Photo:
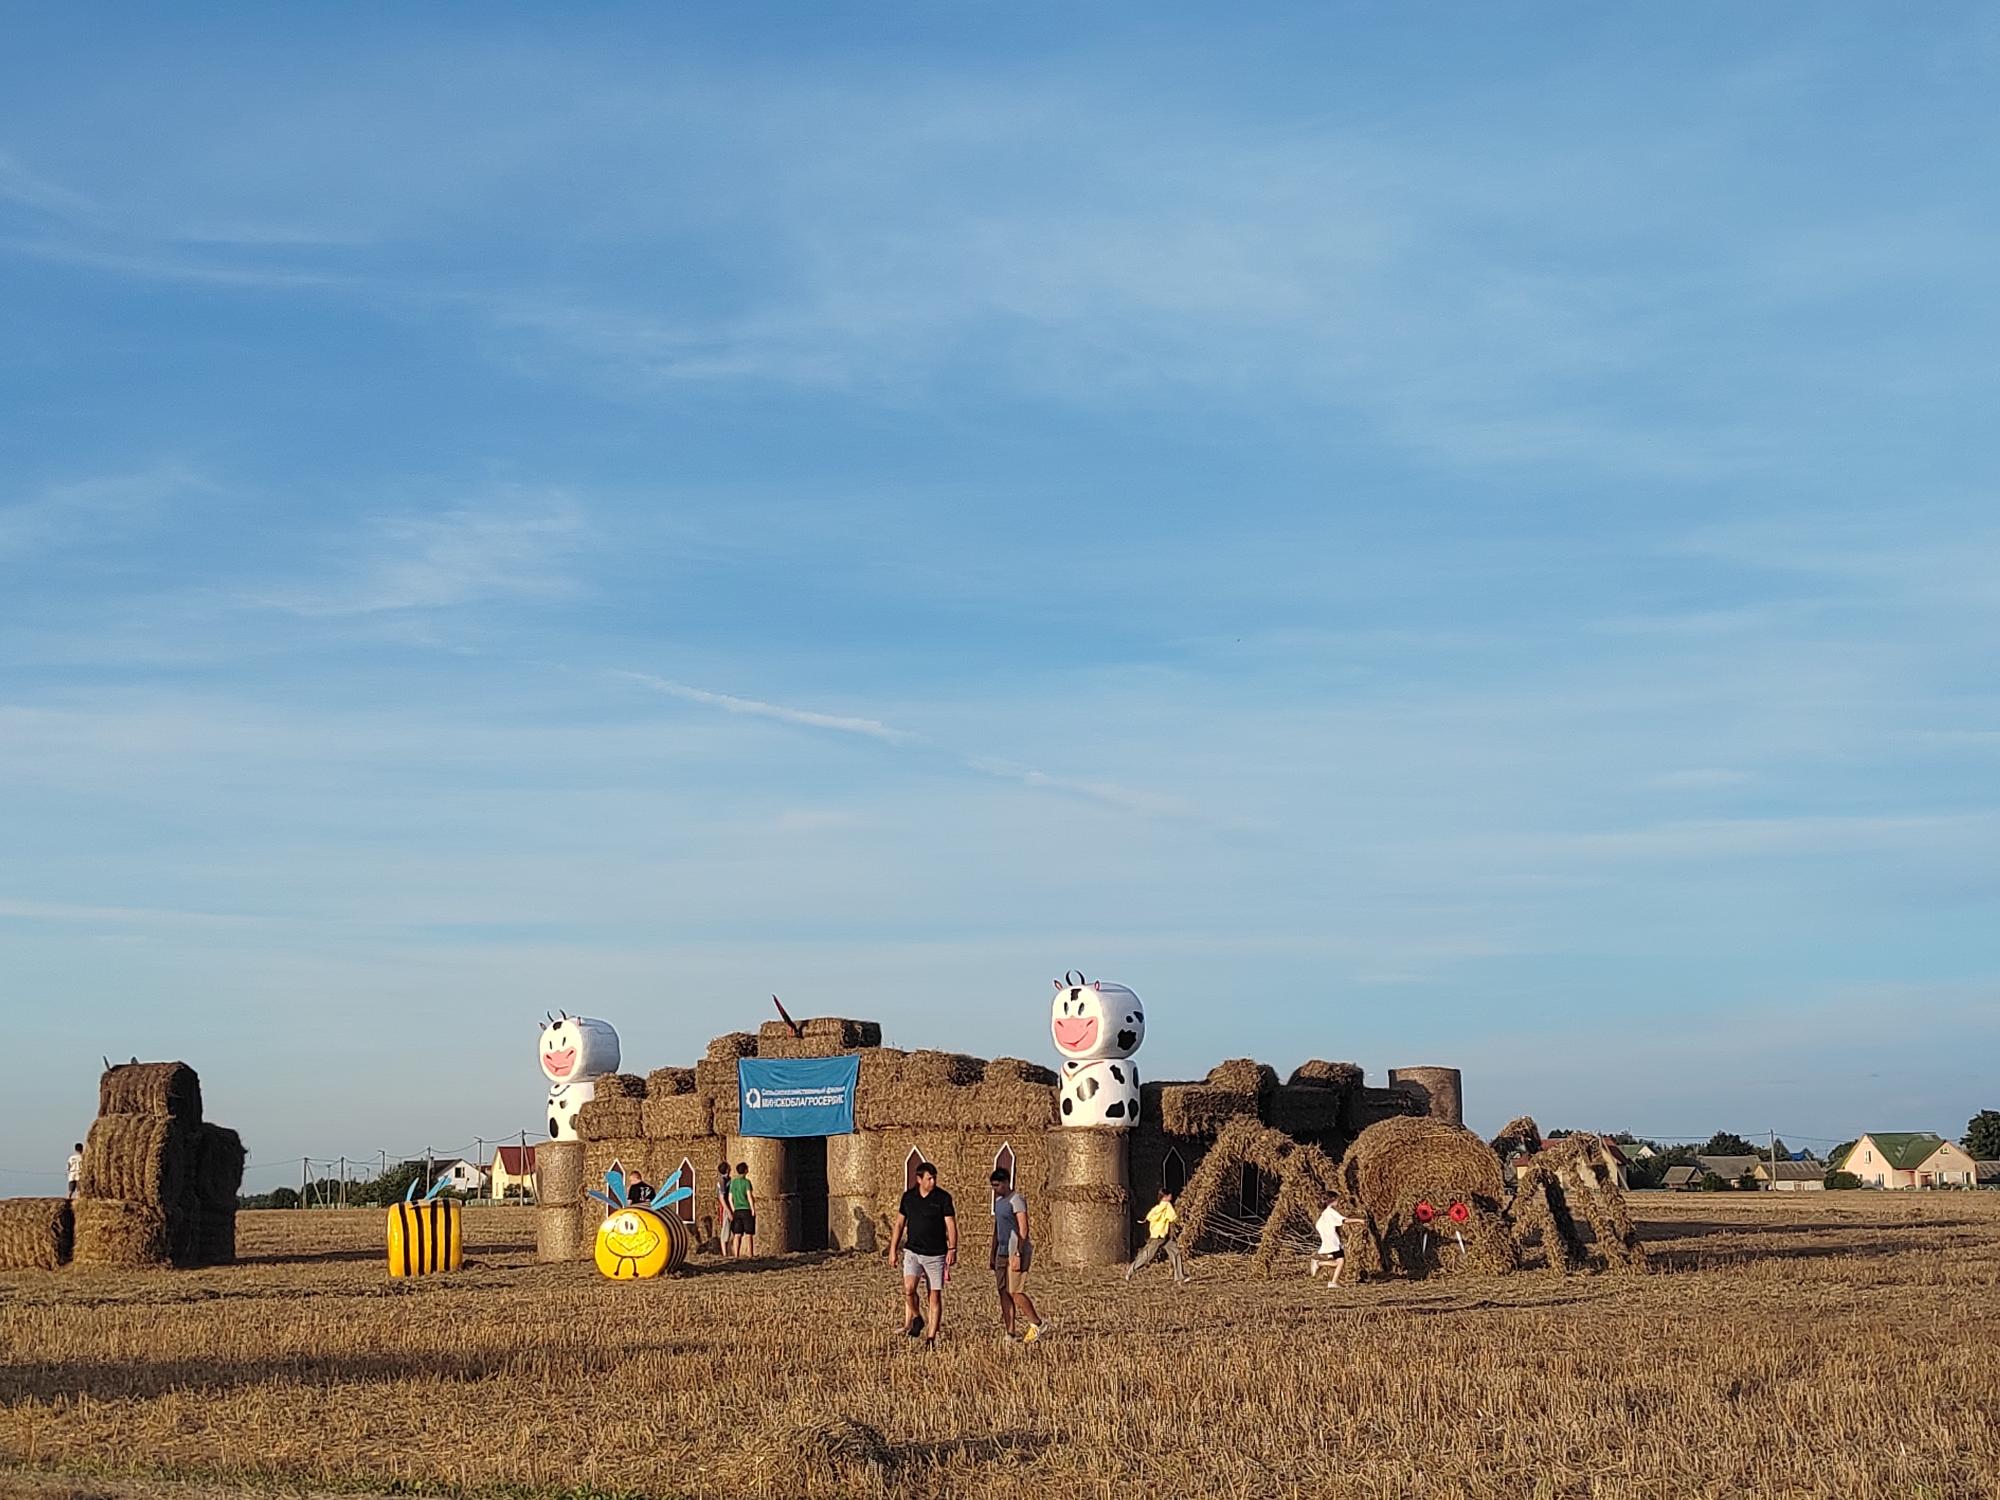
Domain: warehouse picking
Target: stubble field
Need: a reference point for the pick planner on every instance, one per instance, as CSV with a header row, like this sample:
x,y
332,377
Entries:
x,y
1838,1344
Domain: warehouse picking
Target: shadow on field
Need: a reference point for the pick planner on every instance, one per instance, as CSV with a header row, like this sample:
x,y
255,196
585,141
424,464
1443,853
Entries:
x,y
107,1380
714,1266
1713,1255
1688,1229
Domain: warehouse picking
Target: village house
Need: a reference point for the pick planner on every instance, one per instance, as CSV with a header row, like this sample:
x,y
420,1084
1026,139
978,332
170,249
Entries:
x,y
1909,1159
463,1177
512,1170
1729,1168
1790,1176
1682,1179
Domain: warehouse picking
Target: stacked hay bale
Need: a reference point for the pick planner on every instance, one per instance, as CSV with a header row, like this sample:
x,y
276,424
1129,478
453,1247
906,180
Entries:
x,y
36,1234
1302,1173
158,1185
1410,1176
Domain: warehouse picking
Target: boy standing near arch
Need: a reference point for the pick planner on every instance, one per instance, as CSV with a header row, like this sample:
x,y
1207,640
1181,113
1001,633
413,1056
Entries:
x,y
1013,1253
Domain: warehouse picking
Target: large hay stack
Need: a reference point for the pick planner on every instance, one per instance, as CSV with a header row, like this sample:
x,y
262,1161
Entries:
x,y
1574,1177
1298,1176
1432,1196
159,1184
36,1234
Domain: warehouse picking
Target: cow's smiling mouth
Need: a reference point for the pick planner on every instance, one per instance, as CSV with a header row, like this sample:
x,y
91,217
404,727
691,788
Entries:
x,y
560,1064
1074,1033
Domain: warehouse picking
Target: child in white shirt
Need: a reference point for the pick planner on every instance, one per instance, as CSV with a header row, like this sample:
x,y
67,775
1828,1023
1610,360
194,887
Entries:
x,y
1328,1224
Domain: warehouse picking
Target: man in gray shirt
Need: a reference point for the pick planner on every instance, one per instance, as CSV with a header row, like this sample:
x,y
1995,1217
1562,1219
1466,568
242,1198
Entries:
x,y
1013,1254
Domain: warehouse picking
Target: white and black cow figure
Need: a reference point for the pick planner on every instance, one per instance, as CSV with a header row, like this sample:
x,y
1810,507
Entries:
x,y
1097,1027
576,1051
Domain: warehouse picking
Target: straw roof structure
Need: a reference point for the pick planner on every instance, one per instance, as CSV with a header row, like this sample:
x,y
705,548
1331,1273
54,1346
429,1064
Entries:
x,y
1577,1175
1304,1175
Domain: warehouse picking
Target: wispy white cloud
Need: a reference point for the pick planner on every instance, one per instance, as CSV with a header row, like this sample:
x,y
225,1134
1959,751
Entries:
x,y
103,508
462,556
755,708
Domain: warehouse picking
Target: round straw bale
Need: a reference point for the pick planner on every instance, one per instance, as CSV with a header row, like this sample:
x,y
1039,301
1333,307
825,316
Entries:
x,y
145,1158
1519,1134
559,1232
559,1173
218,1168
117,1232
164,1088
36,1234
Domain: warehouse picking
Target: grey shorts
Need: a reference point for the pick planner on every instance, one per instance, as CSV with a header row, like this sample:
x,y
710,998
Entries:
x,y
930,1267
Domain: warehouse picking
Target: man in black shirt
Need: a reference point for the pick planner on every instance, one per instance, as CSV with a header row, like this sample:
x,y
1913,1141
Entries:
x,y
926,1240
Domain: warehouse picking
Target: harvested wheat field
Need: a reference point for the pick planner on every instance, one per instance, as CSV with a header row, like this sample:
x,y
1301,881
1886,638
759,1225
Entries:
x,y
1733,1367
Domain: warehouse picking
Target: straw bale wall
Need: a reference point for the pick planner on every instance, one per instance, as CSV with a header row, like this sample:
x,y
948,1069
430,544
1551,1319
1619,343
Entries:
x,y
730,1046
157,1185
677,1116
610,1119
619,1086
36,1234
663,1082
218,1172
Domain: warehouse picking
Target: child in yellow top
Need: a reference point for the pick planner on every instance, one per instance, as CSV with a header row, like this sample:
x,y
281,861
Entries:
x,y
1160,1220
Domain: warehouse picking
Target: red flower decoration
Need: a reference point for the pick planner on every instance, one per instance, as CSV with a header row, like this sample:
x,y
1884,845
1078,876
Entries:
x,y
1425,1213
1460,1213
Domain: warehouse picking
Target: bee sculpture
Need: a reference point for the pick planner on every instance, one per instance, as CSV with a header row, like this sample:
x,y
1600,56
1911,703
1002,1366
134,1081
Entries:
x,y
635,1243
426,1238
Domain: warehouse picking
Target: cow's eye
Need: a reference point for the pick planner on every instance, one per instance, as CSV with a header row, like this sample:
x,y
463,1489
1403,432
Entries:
x,y
1425,1213
1459,1213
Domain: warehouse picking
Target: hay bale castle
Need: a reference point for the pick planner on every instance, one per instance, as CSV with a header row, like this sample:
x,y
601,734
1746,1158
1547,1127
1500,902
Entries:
x,y
965,1114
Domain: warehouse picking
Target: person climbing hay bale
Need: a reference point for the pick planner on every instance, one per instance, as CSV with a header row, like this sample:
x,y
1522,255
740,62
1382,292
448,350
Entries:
x,y
1433,1198
36,1234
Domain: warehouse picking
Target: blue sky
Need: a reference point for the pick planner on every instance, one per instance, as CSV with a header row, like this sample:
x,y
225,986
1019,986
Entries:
x,y
1404,536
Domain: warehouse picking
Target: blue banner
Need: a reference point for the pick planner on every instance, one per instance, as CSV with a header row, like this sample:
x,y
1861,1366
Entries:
x,y
792,1096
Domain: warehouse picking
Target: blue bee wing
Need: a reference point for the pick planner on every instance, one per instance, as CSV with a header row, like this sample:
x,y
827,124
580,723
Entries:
x,y
614,1182
411,1195
603,1198
670,1199
437,1187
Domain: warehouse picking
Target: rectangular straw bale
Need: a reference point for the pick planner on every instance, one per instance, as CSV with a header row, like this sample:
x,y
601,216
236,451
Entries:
x,y
1305,1111
1331,1075
164,1088
1006,1104
1242,1075
846,1034
619,1086
36,1234
797,1046
608,1119
926,1068
215,1241
666,1081
1016,1070
716,1078
676,1116
118,1232
732,1045
144,1158
218,1167
1197,1109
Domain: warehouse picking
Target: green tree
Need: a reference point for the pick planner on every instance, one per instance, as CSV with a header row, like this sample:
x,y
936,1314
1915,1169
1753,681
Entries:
x,y
1722,1143
282,1197
1838,1156
1982,1136
1842,1180
1710,1183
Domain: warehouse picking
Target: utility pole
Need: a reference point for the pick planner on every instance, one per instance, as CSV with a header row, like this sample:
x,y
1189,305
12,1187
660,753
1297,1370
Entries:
x,y
1774,1161
303,1164
478,1151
